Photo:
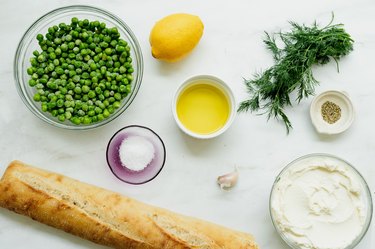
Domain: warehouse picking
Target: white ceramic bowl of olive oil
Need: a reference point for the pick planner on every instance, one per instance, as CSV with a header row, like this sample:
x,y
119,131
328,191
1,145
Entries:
x,y
204,106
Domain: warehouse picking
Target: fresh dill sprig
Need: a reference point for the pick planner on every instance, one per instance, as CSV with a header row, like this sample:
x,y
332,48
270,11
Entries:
x,y
303,47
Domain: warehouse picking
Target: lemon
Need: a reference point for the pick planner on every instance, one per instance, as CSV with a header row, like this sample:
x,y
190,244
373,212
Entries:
x,y
175,36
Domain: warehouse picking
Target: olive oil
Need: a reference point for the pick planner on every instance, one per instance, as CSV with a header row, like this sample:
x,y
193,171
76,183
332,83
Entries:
x,y
203,108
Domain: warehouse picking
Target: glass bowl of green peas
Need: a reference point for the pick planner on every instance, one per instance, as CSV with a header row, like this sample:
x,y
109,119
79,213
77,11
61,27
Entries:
x,y
78,67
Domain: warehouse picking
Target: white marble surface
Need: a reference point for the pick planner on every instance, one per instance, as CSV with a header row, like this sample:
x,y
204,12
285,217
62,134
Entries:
x,y
231,48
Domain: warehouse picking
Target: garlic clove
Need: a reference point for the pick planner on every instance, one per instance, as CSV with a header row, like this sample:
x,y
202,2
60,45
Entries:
x,y
227,181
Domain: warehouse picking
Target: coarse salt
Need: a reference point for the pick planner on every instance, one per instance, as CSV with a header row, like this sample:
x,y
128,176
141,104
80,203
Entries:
x,y
136,153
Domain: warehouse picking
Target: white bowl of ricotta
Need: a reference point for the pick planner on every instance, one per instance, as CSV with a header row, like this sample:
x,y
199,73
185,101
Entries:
x,y
320,201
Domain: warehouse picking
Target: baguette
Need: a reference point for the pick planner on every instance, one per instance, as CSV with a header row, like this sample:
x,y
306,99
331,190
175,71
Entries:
x,y
105,217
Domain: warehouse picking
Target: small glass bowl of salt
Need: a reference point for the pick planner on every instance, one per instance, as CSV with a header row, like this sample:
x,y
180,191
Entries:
x,y
135,154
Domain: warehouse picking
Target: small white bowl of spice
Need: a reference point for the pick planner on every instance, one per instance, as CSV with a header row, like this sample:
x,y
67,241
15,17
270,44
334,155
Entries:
x,y
332,112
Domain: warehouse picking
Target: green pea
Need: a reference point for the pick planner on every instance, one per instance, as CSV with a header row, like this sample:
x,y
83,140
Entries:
x,y
85,66
41,58
77,89
34,62
70,86
114,87
69,109
51,30
117,65
85,89
107,39
91,113
36,97
129,77
63,90
100,117
122,89
61,117
77,64
95,79
30,71
85,97
44,107
51,105
98,90
98,110
91,94
64,47
52,56
68,37
75,34
119,78
122,42
111,99
71,45
75,50
93,66
111,109
74,20
106,93
57,41
52,85
120,49
105,102
108,51
85,107
76,78
84,52
101,97
76,120
106,113
81,113
68,115
103,70
85,75
51,67
117,96
54,112
59,71
103,44
86,22
32,82
39,86
113,43
98,50
87,120
39,37
99,104
116,104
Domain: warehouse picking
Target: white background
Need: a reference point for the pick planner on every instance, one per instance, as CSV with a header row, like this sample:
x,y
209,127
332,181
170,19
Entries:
x,y
231,48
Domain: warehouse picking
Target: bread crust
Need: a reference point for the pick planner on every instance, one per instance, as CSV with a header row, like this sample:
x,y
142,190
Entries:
x,y
105,217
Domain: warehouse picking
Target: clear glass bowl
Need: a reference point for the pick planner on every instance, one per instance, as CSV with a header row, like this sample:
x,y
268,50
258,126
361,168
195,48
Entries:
x,y
297,164
122,172
29,43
